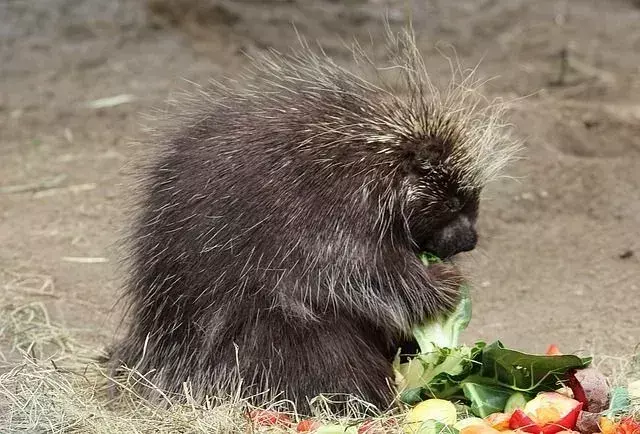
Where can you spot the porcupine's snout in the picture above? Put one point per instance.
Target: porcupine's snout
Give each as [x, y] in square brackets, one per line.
[458, 236]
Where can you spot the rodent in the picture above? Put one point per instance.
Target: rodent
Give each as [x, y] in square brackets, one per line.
[275, 241]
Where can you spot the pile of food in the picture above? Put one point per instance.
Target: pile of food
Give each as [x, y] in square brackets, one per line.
[488, 389]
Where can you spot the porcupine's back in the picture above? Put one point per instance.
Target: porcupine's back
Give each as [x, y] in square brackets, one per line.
[264, 202]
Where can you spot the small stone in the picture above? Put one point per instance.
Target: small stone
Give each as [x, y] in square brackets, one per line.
[527, 196]
[626, 254]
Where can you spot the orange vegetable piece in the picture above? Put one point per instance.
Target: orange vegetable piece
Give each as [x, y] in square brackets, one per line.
[553, 350]
[308, 425]
[479, 429]
[625, 426]
[269, 418]
[628, 426]
[499, 421]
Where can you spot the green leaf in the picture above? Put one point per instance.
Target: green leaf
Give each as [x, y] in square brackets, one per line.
[412, 374]
[428, 258]
[430, 427]
[486, 400]
[412, 396]
[443, 372]
[445, 330]
[619, 402]
[526, 372]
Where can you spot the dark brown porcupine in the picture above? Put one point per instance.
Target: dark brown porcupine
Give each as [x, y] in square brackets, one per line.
[275, 244]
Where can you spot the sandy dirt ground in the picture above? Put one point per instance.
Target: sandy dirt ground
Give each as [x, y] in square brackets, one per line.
[559, 256]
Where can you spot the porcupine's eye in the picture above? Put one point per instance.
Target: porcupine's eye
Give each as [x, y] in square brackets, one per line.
[454, 204]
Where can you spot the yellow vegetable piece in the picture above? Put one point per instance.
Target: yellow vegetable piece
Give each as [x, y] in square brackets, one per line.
[547, 415]
[607, 426]
[469, 421]
[420, 419]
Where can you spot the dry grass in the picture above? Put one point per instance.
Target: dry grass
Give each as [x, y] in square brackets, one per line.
[56, 385]
[51, 383]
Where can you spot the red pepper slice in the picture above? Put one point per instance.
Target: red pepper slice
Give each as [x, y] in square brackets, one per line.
[520, 420]
[578, 390]
[269, 418]
[308, 425]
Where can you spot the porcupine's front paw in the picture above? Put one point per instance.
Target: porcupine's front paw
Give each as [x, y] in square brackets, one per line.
[447, 281]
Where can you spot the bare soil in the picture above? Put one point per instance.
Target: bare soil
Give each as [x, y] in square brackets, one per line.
[559, 256]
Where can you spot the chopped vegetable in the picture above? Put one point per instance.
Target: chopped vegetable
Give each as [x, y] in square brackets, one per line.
[479, 429]
[439, 410]
[607, 426]
[488, 379]
[499, 421]
[553, 350]
[464, 423]
[429, 427]
[269, 418]
[566, 391]
[336, 429]
[547, 413]
[628, 426]
[590, 387]
[526, 372]
[308, 425]
[438, 374]
[486, 400]
[424, 417]
[624, 426]
[515, 401]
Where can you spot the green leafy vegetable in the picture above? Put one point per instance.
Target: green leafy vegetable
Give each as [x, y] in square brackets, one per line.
[486, 400]
[472, 374]
[482, 376]
[433, 427]
[526, 372]
[438, 374]
[444, 330]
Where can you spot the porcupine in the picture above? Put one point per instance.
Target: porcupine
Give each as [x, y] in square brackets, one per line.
[275, 246]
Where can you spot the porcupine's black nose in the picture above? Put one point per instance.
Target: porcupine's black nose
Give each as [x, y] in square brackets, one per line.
[458, 237]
